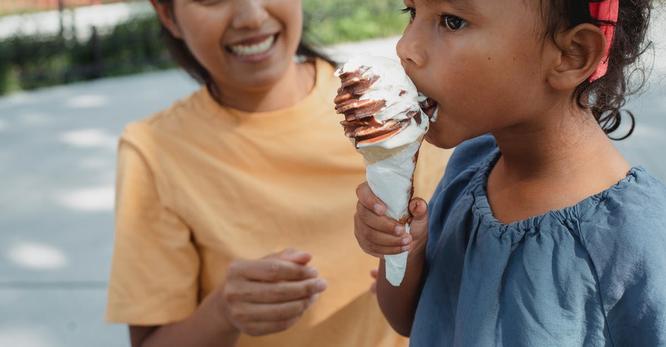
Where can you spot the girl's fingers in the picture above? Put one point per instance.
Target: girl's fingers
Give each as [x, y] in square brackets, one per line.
[383, 224]
[369, 200]
[380, 251]
[381, 239]
[419, 224]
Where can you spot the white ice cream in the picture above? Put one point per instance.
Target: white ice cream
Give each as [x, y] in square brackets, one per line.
[392, 82]
[391, 162]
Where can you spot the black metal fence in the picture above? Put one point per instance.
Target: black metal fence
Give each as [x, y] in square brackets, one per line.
[28, 62]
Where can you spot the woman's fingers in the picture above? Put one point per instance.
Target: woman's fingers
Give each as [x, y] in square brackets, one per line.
[265, 328]
[292, 255]
[270, 293]
[271, 270]
[249, 312]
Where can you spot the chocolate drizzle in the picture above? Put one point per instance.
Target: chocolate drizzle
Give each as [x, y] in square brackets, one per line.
[360, 123]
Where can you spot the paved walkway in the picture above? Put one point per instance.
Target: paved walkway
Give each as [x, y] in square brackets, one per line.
[56, 201]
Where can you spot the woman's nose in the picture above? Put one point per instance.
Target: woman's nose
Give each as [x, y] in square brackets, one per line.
[249, 14]
[411, 50]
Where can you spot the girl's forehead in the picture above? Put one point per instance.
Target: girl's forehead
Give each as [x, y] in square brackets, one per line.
[484, 7]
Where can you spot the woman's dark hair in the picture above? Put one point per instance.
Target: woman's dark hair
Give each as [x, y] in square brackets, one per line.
[606, 96]
[182, 55]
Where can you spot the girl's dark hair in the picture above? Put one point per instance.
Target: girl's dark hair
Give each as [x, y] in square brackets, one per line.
[182, 55]
[606, 96]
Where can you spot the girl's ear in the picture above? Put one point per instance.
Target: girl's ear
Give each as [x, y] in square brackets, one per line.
[165, 13]
[578, 53]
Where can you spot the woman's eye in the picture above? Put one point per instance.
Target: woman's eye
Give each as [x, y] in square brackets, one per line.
[411, 11]
[453, 23]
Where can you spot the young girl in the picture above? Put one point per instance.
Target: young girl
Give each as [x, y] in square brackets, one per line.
[540, 234]
[211, 191]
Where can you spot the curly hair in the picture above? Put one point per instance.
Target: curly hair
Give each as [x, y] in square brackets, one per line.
[606, 97]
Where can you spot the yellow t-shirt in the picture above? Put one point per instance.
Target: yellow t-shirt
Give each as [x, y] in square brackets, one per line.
[200, 185]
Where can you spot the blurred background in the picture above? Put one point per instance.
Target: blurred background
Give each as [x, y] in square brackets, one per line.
[72, 74]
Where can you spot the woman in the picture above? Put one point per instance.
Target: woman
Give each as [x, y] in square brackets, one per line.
[234, 206]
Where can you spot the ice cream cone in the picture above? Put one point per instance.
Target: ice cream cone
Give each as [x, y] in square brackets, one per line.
[385, 122]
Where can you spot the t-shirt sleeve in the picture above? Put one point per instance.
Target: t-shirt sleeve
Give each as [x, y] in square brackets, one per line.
[155, 266]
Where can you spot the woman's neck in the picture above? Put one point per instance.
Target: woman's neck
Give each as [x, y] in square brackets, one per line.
[294, 86]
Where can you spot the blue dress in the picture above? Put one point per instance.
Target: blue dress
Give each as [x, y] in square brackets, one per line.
[593, 274]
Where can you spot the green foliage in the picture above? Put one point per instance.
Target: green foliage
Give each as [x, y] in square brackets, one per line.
[333, 21]
[28, 62]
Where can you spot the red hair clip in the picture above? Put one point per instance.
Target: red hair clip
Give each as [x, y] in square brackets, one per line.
[605, 11]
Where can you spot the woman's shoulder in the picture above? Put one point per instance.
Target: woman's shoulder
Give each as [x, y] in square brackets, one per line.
[168, 121]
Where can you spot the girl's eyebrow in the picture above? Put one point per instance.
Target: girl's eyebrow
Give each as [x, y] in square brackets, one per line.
[461, 5]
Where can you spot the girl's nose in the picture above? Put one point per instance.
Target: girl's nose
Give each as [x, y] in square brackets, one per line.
[249, 14]
[410, 49]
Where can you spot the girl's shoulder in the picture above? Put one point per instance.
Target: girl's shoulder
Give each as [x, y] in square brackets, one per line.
[628, 219]
[624, 235]
[636, 205]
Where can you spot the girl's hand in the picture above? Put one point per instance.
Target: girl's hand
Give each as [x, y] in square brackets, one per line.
[379, 235]
[269, 295]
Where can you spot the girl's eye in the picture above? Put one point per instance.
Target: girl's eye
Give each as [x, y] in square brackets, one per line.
[411, 11]
[453, 23]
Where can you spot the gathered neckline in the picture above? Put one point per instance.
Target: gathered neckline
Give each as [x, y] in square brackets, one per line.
[481, 205]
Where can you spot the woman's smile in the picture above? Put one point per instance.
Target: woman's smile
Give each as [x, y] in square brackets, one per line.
[253, 49]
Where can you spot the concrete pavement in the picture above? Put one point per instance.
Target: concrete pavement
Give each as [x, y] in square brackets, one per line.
[57, 166]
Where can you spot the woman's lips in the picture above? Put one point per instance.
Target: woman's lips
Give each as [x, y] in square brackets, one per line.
[253, 49]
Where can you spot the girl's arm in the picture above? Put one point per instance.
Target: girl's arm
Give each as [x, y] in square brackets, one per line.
[379, 235]
[399, 303]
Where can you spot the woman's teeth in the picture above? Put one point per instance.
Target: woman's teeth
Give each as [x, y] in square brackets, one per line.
[254, 49]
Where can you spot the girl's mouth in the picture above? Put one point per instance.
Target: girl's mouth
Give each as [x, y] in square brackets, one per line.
[254, 48]
[429, 107]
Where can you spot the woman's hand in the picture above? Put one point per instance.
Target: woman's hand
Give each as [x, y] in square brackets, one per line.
[269, 295]
[379, 235]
